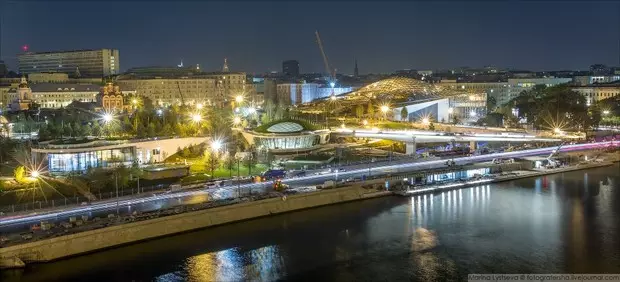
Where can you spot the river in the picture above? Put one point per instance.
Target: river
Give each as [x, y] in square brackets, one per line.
[562, 223]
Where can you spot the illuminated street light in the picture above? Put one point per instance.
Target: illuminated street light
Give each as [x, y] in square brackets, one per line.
[199, 106]
[239, 98]
[557, 130]
[107, 118]
[605, 112]
[236, 120]
[332, 84]
[343, 126]
[365, 122]
[450, 110]
[385, 109]
[472, 113]
[426, 121]
[216, 145]
[160, 112]
[34, 174]
[333, 98]
[251, 110]
[196, 118]
[134, 101]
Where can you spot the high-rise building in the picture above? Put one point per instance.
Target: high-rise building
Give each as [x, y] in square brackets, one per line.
[356, 72]
[91, 63]
[290, 68]
[3, 69]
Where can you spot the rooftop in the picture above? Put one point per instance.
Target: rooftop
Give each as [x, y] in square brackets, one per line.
[66, 51]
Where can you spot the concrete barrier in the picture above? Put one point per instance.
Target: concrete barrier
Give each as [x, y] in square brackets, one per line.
[94, 240]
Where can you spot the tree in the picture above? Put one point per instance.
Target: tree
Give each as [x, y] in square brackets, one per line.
[67, 130]
[20, 174]
[96, 129]
[77, 129]
[491, 104]
[211, 161]
[150, 130]
[404, 114]
[370, 110]
[455, 119]
[359, 111]
[431, 126]
[87, 130]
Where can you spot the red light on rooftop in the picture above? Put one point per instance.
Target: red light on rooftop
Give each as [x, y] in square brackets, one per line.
[25, 48]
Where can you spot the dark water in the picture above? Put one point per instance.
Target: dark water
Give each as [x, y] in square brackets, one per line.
[564, 223]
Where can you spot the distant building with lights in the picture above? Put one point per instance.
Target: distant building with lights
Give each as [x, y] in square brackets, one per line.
[58, 95]
[299, 93]
[189, 88]
[91, 63]
[290, 68]
[597, 92]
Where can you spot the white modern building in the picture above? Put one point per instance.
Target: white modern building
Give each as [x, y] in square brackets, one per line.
[62, 158]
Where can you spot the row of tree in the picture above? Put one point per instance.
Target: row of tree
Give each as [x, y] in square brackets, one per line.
[545, 108]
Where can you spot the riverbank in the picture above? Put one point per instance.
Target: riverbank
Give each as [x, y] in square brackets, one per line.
[122, 234]
[514, 175]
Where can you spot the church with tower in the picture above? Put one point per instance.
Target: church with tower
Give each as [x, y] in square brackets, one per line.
[23, 100]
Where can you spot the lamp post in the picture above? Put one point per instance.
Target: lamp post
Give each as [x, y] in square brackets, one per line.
[384, 109]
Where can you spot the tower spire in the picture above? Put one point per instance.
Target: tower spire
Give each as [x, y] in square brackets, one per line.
[225, 68]
[356, 72]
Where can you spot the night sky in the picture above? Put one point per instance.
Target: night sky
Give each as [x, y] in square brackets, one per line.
[257, 37]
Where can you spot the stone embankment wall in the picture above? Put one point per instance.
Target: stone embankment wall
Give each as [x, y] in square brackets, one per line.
[89, 241]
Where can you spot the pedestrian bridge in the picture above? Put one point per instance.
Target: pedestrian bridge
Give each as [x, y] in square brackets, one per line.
[412, 137]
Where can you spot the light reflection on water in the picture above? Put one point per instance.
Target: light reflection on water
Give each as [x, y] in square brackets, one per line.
[555, 224]
[264, 264]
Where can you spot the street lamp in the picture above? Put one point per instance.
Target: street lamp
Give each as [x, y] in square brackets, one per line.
[426, 121]
[239, 98]
[107, 118]
[557, 130]
[472, 113]
[365, 122]
[236, 120]
[385, 109]
[216, 145]
[606, 112]
[134, 101]
[196, 118]
[199, 106]
[34, 174]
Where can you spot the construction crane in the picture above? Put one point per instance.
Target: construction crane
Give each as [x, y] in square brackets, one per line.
[330, 72]
[180, 93]
[551, 162]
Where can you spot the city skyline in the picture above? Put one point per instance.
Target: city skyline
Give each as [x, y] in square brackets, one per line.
[420, 35]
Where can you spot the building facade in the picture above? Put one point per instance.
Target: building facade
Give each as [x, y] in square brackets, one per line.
[300, 93]
[58, 95]
[88, 63]
[209, 88]
[594, 93]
